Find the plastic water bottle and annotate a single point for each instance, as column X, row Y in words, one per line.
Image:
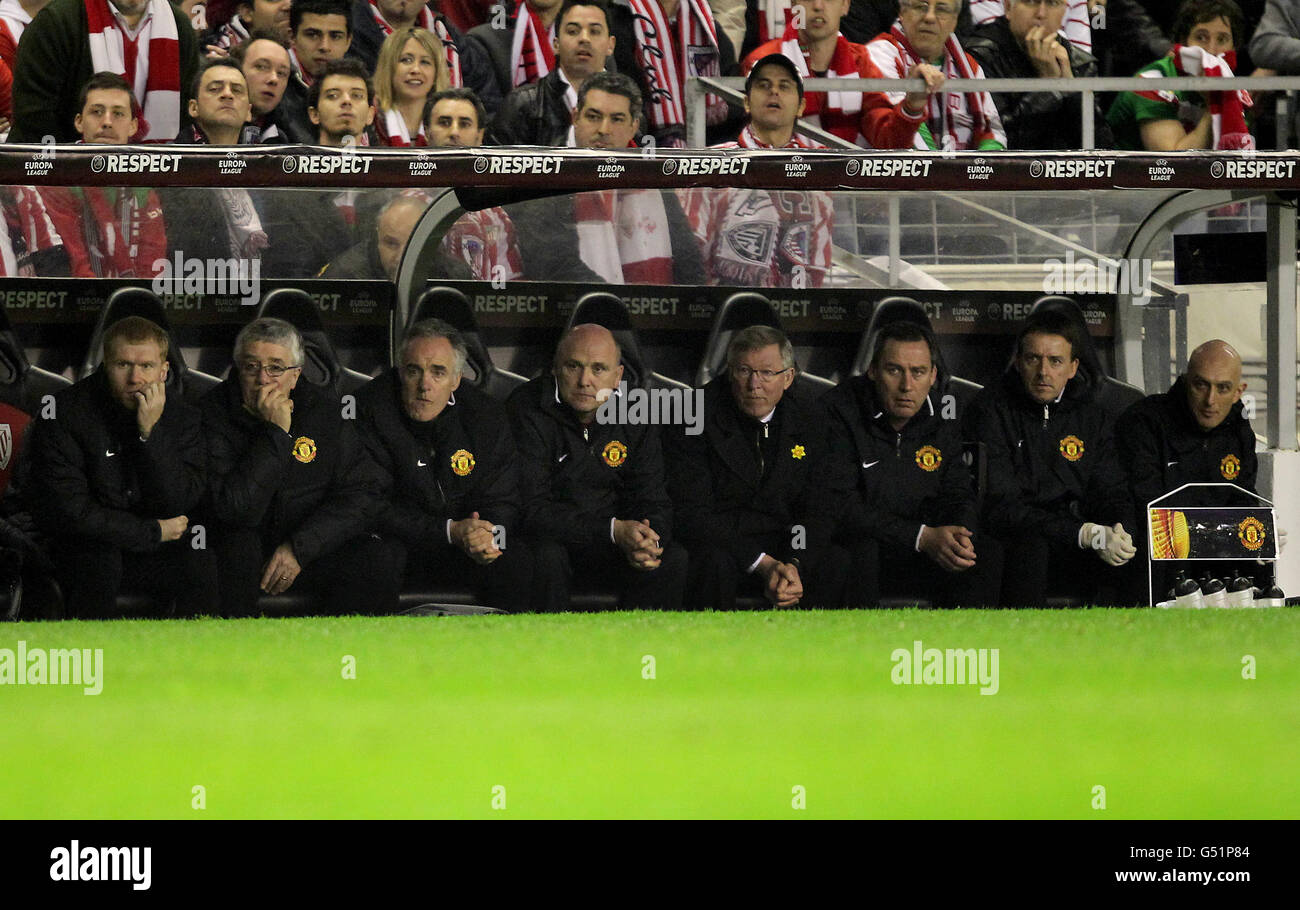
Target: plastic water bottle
column 1214, row 592
column 1187, row 593
column 1241, row 591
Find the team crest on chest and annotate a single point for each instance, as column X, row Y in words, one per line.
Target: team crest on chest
column 614, row 454
column 928, row 458
column 1230, row 467
column 462, row 462
column 1072, row 448
column 304, row 449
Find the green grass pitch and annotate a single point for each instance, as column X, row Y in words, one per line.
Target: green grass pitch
column 743, row 708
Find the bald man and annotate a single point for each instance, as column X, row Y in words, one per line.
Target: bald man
column 594, row 494
column 1194, row 433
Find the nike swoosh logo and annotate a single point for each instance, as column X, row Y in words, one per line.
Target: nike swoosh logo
column 867, row 464
column 108, row 454
column 562, row 457
column 420, row 464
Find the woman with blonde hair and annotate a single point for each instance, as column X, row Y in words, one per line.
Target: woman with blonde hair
column 412, row 65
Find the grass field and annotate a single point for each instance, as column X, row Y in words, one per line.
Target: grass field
column 743, row 707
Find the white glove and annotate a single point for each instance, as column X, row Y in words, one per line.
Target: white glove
column 1113, row 545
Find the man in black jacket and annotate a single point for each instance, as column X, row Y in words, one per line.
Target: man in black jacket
column 452, row 475
column 593, row 493
column 1194, row 433
column 896, row 479
column 743, row 489
column 116, row 468
column 613, row 244
column 294, row 494
column 541, row 113
column 1025, row 43
column 1055, row 486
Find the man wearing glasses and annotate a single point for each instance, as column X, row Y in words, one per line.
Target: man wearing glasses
column 921, row 44
column 743, row 488
column 293, row 493
column 1026, row 43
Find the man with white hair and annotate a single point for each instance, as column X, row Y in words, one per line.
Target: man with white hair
column 294, row 496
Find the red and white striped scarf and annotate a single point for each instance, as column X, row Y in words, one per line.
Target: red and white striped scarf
column 393, row 132
column 295, row 67
column 669, row 59
column 485, row 241
column 747, row 140
column 157, row 78
column 1227, row 109
column 427, row 21
column 531, row 55
column 113, row 228
column 29, row 230
column 951, row 109
column 232, row 33
column 840, row 112
column 773, row 16
column 623, row 236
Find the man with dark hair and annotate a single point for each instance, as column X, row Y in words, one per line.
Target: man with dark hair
column 108, row 232
column 1055, row 485
column 542, row 113
column 265, row 65
column 744, row 488
column 452, row 475
column 117, row 466
column 1026, row 43
column 320, row 31
column 593, row 494
column 903, row 498
column 218, row 106
column 294, row 496
column 341, row 103
column 73, row 39
column 1206, row 36
column 456, row 117
column 617, row 236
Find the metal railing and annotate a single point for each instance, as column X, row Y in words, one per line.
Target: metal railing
column 731, row 87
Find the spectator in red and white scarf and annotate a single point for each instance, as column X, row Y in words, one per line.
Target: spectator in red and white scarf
column 411, row 67
column 108, row 232
column 320, row 32
column 251, row 16
column 819, row 50
column 483, row 240
column 342, row 104
column 761, row 238
column 14, row 17
column 265, row 65
column 922, row 44
column 150, row 43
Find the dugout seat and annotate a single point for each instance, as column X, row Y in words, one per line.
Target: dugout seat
column 609, row 310
column 905, row 309
column 189, row 384
column 1114, row 396
column 321, row 364
column 453, row 307
column 740, row 311
column 22, row 385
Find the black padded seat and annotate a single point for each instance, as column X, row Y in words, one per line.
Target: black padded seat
column 321, row 364
column 740, row 311
column 453, row 307
column 189, row 384
column 1112, row 394
column 609, row 310
column 23, row 385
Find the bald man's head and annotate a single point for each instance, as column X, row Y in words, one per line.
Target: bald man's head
column 1213, row 382
column 586, row 362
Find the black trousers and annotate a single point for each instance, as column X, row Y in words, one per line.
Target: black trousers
column 504, row 583
column 881, row 569
column 1035, row 568
column 361, row 576
column 604, row 568
column 181, row 579
column 716, row 578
